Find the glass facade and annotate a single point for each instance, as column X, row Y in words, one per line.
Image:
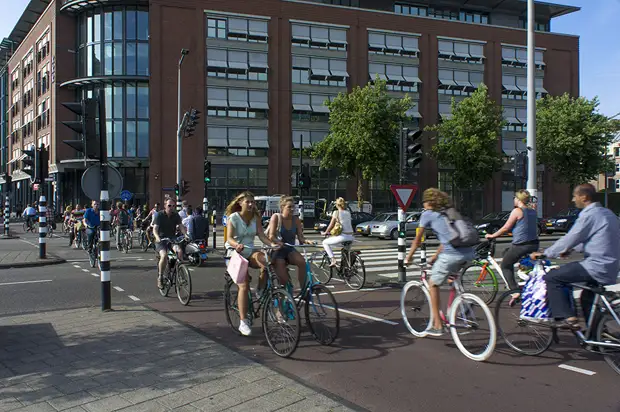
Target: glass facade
column 229, row 180
column 113, row 42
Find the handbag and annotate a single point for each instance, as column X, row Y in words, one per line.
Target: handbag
column 238, row 268
column 337, row 229
column 534, row 304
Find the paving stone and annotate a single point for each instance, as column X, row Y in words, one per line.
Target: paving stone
column 110, row 389
column 218, row 385
column 75, row 399
column 180, row 398
column 37, row 407
column 9, row 403
column 111, row 403
column 148, row 406
column 255, row 405
column 39, row 395
column 78, row 385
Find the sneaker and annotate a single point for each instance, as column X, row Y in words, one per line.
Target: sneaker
column 244, row 328
column 160, row 283
column 435, row 332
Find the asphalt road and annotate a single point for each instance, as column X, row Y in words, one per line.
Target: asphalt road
column 375, row 363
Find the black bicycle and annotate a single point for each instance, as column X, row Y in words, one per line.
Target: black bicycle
column 351, row 268
column 176, row 273
column 93, row 252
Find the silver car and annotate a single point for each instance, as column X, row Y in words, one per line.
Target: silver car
column 389, row 228
column 364, row 228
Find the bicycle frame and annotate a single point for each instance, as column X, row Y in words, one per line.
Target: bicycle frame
column 455, row 289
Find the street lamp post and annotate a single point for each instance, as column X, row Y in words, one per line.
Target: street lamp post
column 531, row 102
column 184, row 52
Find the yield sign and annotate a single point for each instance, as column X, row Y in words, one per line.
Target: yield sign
column 404, row 194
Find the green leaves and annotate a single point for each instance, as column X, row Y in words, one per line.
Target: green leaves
column 364, row 130
column 572, row 138
column 468, row 140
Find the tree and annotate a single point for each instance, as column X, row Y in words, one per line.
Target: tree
column 572, row 138
column 468, row 140
column 364, row 133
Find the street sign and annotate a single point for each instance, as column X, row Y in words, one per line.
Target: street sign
column 91, row 182
column 404, row 194
column 49, row 179
column 167, row 189
column 126, row 195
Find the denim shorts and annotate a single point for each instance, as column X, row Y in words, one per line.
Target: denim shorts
column 446, row 265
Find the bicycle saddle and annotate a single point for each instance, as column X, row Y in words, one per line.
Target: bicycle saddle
column 349, row 243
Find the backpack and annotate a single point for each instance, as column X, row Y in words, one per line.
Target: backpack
column 462, row 232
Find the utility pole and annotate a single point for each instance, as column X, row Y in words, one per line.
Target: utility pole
column 532, row 175
column 184, row 52
column 299, row 175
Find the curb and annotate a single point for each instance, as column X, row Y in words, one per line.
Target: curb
column 47, row 262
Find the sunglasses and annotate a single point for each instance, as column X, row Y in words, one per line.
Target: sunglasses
column 169, row 205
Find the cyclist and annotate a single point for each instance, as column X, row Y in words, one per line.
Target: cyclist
column 596, row 234
column 343, row 218
column 92, row 222
column 523, row 223
column 77, row 216
column 122, row 223
column 198, row 226
column 165, row 225
column 285, row 227
column 149, row 222
column 30, row 214
column 448, row 260
column 242, row 229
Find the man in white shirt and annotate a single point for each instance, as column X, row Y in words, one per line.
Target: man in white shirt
column 184, row 213
column 30, row 213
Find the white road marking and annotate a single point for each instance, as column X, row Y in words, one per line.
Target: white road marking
column 575, row 369
column 360, row 290
column 362, row 315
column 95, row 274
column 30, row 243
column 330, row 286
column 76, row 266
column 85, row 270
column 118, row 289
column 132, row 297
column 25, row 281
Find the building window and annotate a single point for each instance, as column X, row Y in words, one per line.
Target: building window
column 239, row 103
column 308, row 137
column 538, row 25
column 618, row 184
column 457, row 82
column 237, row 141
column 617, row 167
column 43, row 114
column 517, row 57
column 461, row 51
column 516, row 119
column 28, row 127
column 239, row 29
column 28, row 65
column 319, row 37
column 617, row 151
column 319, row 71
column 240, row 65
column 15, row 80
column 113, row 42
column 43, row 47
column 398, row 78
column 393, row 44
column 441, row 13
column 311, row 107
column 515, row 87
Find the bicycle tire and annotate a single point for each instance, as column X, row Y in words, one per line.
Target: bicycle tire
column 323, row 272
column 417, row 331
column 347, row 276
column 318, row 310
column 232, row 308
column 490, row 347
column 166, row 283
column 25, row 227
column 186, row 277
column 285, row 302
column 611, row 355
column 93, row 257
column 144, row 244
column 125, row 244
column 513, row 343
column 471, row 285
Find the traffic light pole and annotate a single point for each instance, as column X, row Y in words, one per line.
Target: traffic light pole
column 301, row 165
column 104, row 213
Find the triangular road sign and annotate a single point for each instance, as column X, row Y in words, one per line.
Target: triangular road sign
column 404, row 194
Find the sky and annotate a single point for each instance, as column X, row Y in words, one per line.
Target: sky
column 596, row 24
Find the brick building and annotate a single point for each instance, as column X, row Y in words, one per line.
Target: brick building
column 260, row 72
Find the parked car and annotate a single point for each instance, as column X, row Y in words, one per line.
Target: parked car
column 389, row 228
column 492, row 222
column 356, row 218
column 364, row 227
column 562, row 222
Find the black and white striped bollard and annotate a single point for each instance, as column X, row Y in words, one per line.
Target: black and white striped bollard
column 7, row 215
column 104, row 251
column 214, row 226
column 402, row 248
column 42, row 227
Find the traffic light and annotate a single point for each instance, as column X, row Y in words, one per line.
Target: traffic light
column 30, row 163
column 176, row 190
column 207, row 171
column 520, row 164
column 43, row 167
column 184, row 187
column 413, row 148
column 192, row 121
column 8, row 180
column 303, row 178
column 86, row 127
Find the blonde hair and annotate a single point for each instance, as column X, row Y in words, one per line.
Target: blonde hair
column 340, row 203
column 285, row 199
column 523, row 196
column 437, row 199
column 234, row 206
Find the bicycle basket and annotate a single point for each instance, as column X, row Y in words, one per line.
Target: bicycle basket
column 481, row 250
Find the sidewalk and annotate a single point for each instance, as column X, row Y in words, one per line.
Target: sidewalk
column 17, row 253
column 134, row 359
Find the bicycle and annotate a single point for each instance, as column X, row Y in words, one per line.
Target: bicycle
column 93, row 253
column 310, row 294
column 277, row 306
column 479, row 277
column 603, row 317
column 351, row 268
column 460, row 310
column 124, row 240
column 176, row 274
column 30, row 224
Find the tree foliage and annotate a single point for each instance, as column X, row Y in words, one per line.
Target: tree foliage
column 572, row 138
column 468, row 140
column 364, row 131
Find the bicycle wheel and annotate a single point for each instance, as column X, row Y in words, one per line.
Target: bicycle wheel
column 281, row 322
column 322, row 272
column 415, row 308
column 125, row 244
column 165, row 283
column 608, row 331
column 465, row 319
column 144, row 243
column 479, row 279
column 231, row 293
column 320, row 307
column 93, row 256
column 25, row 227
column 355, row 274
column 527, row 338
column 183, row 284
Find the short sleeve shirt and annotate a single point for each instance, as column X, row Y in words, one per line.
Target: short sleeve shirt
column 244, row 234
column 167, row 224
column 437, row 222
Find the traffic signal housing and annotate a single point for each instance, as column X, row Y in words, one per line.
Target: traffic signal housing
column 176, row 190
column 43, row 163
column 184, row 187
column 86, row 126
column 413, row 148
column 520, row 164
column 192, row 121
column 207, row 171
column 30, row 163
column 8, row 180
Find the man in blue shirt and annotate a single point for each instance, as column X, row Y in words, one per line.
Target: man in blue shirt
column 92, row 221
column 596, row 233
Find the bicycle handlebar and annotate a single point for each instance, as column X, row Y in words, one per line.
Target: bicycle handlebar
column 176, row 240
column 303, row 246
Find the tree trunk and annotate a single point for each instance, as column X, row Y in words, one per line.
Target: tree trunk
column 360, row 193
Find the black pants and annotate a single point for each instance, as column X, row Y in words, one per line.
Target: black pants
column 512, row 256
column 560, row 297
